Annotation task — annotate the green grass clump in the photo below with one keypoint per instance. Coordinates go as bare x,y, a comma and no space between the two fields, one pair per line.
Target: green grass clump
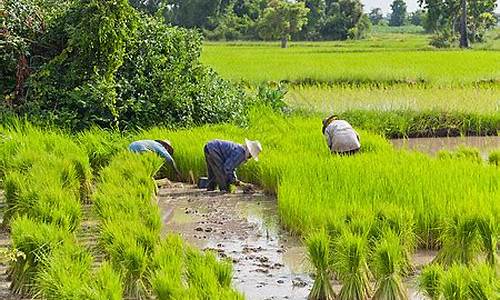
105,284
351,266
318,250
460,242
466,153
494,158
455,283
429,281
387,266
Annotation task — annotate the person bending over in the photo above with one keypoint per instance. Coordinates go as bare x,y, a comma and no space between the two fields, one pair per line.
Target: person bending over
161,147
223,157
340,136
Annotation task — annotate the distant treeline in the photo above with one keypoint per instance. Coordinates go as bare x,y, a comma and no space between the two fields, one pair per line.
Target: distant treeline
319,19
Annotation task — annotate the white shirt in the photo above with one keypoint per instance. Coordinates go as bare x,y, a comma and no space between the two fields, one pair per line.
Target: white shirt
341,137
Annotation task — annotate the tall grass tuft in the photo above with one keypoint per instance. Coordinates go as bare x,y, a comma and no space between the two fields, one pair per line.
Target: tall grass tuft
488,231
318,250
387,266
460,242
106,284
351,266
455,281
429,281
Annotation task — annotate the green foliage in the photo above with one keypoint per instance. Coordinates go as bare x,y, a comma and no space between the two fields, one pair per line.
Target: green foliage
281,18
398,14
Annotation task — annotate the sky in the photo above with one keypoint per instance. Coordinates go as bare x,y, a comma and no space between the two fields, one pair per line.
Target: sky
386,5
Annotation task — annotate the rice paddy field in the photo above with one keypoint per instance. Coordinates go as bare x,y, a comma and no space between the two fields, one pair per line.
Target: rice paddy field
84,222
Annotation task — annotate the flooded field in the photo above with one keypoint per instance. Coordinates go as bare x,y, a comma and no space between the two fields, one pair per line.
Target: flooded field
485,144
268,262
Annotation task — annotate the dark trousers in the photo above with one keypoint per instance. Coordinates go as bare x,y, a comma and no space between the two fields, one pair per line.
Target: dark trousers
347,153
216,173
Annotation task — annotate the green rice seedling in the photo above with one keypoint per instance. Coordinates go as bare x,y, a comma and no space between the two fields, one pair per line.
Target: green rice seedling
387,266
65,274
167,269
399,221
494,158
222,269
481,285
105,284
429,281
318,250
460,243
488,231
455,281
466,153
132,260
202,280
36,240
351,266
13,186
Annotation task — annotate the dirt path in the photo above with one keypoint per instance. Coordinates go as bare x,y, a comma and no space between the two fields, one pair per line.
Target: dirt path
268,263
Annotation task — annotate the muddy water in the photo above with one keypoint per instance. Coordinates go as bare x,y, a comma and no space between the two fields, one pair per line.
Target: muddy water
268,262
485,144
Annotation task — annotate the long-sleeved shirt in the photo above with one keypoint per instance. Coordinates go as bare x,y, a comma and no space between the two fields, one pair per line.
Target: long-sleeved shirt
341,137
232,155
151,146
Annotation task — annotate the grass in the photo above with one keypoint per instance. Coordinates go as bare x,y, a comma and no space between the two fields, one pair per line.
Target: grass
256,63
342,98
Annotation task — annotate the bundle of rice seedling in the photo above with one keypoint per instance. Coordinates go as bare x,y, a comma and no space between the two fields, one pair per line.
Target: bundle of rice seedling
481,285
105,284
351,266
455,281
488,230
459,240
429,281
318,249
387,265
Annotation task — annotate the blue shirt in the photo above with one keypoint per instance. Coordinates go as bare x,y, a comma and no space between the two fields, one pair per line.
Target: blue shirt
232,154
151,146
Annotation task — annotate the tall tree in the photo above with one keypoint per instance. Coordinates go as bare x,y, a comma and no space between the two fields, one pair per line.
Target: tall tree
464,38
341,17
315,19
451,15
282,18
398,14
376,16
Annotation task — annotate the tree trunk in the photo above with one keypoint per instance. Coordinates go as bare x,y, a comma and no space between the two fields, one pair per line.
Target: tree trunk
284,41
464,39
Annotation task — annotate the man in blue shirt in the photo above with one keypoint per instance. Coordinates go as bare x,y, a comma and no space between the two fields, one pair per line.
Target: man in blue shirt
223,157
163,148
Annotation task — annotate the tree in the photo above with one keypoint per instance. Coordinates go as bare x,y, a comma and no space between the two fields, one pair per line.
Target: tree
315,19
341,17
417,17
398,15
376,16
469,18
281,19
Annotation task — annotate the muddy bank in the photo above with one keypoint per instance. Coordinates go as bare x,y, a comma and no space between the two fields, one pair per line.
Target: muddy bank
485,144
268,262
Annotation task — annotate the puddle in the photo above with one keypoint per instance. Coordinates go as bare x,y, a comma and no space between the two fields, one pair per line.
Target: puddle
268,262
485,144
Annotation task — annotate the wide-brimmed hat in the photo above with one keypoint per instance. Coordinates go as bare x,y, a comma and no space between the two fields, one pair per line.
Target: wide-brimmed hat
254,147
167,145
327,121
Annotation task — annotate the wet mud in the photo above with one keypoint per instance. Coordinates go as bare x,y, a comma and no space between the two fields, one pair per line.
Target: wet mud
268,262
431,146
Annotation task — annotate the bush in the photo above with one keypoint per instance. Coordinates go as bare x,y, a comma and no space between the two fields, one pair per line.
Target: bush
112,67
444,39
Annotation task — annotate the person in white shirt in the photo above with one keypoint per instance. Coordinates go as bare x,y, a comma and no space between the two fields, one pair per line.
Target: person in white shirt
340,136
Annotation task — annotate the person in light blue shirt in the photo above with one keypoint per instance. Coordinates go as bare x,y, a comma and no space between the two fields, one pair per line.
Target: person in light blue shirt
161,147
223,157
